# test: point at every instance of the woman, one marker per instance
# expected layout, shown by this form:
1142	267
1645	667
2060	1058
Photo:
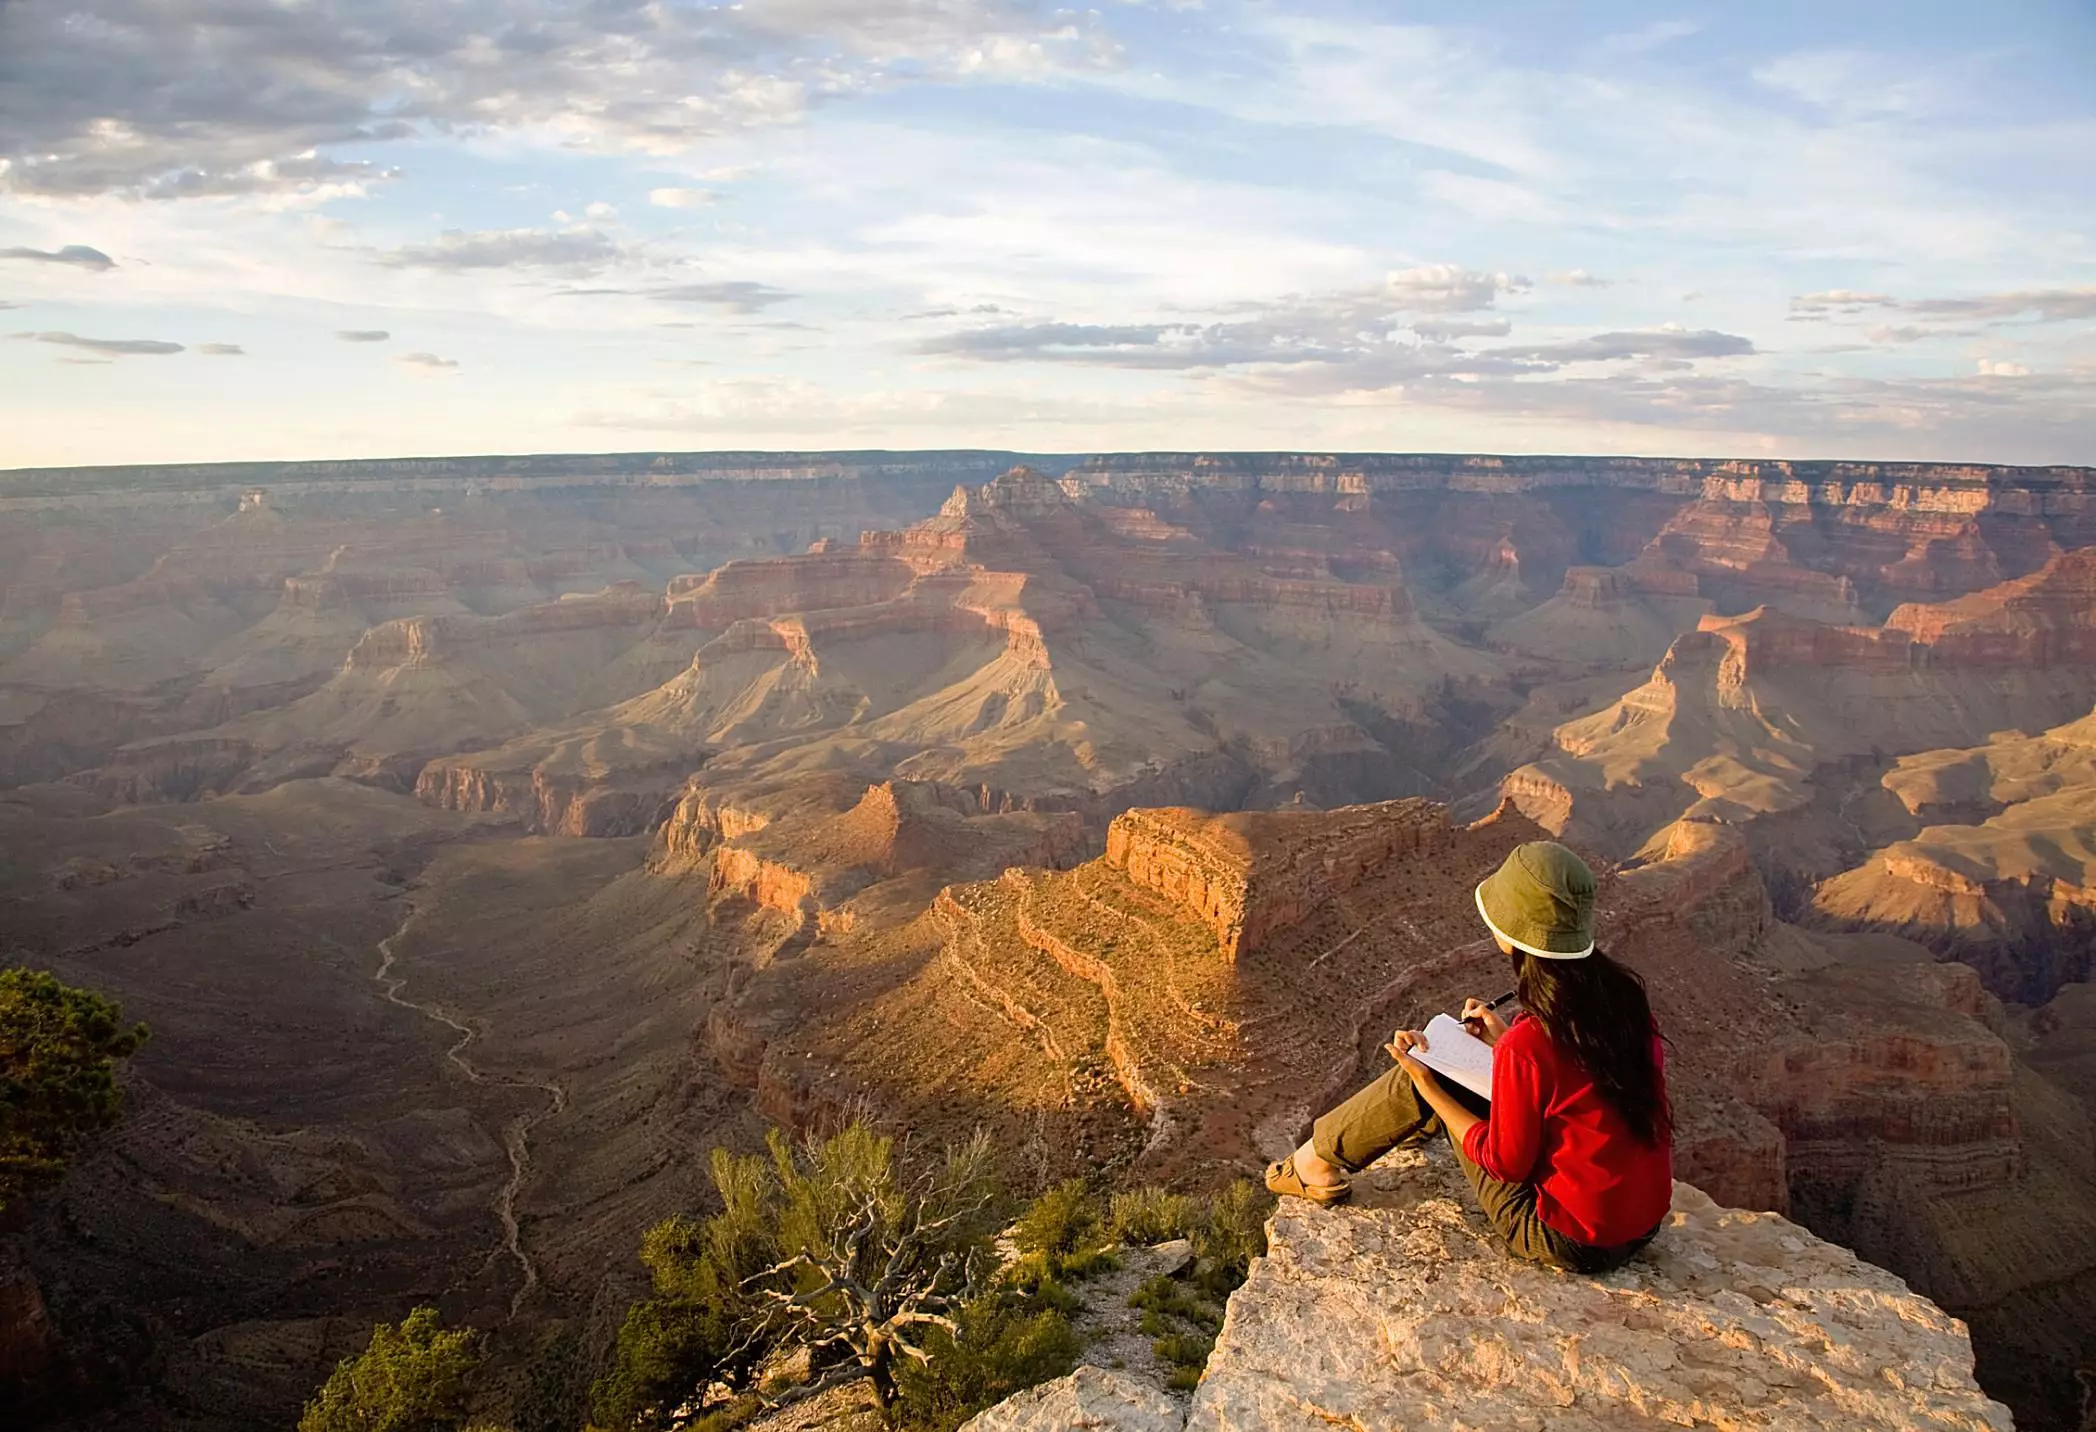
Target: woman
1572	1160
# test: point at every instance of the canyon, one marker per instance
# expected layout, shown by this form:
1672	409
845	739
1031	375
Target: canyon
488	839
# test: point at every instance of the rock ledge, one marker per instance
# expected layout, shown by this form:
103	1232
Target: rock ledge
1399	1312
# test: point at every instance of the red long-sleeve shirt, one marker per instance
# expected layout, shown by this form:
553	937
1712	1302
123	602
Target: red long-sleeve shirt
1549	1126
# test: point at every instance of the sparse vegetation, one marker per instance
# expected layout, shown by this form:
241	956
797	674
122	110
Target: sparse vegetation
1152	1215
59	1049
412	1378
1004	1346
1229	1235
1062	1235
828	1249
1183	1315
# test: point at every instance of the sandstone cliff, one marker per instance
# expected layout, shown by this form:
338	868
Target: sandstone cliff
1253	875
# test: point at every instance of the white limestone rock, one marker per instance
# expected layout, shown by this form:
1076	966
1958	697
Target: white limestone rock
1091	1397
1400	1313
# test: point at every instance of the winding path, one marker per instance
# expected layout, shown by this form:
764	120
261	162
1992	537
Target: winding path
516	1135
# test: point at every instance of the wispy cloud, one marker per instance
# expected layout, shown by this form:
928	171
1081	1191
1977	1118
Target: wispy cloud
190	99
1444	330
1664	343
675	198
72	255
428	362
1959	317
114	347
221	350
736	295
458	250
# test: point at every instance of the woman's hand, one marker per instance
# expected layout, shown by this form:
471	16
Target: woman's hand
1400	1048
1482	1022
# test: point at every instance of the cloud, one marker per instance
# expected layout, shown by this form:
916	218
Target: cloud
221	350
1838	300
673	198
188	99
1576	278
1446	288
1338	327
6	307
1128	344
736	295
1442	330
73	255
426	361
113	347
307	176
1678	344
1991	368
459	250
363	335
1853	84
2049	305
1912	333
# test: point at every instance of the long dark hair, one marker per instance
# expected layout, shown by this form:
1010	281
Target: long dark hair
1596	1010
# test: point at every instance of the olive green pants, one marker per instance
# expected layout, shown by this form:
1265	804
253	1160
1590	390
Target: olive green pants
1389	1113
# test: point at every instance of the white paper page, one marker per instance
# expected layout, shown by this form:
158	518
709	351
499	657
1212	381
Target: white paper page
1456	1052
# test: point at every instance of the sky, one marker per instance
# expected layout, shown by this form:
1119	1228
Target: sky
268	229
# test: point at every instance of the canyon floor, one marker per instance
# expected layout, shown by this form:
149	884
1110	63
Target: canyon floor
485	840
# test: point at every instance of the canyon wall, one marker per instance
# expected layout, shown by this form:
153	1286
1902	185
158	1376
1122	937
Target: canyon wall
1251	875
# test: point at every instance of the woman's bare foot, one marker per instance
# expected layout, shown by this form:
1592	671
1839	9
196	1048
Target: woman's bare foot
1286	1181
1319	1172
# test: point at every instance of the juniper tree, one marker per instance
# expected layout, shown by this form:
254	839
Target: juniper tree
59	1048
825	1246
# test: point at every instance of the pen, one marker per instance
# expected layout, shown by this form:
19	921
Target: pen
1477	1026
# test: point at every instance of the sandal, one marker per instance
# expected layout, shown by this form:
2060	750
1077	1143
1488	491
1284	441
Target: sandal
1282	1178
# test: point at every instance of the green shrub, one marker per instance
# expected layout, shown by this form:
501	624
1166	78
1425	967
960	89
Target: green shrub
1063	1225
694	1330
1004	1347
1151	1215
1162	1298
1185	1349
823	1245
413	1378
59	1048
1230	1235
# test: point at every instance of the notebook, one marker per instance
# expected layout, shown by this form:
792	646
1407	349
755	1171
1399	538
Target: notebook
1456	1052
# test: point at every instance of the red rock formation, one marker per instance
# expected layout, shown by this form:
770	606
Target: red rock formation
1253	875
2043	620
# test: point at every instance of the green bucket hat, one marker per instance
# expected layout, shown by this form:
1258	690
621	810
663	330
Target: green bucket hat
1542	901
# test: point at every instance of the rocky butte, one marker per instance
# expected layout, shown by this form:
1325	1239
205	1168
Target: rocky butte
1117	803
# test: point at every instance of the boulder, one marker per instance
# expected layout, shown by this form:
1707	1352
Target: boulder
1090	1397
1400	1312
